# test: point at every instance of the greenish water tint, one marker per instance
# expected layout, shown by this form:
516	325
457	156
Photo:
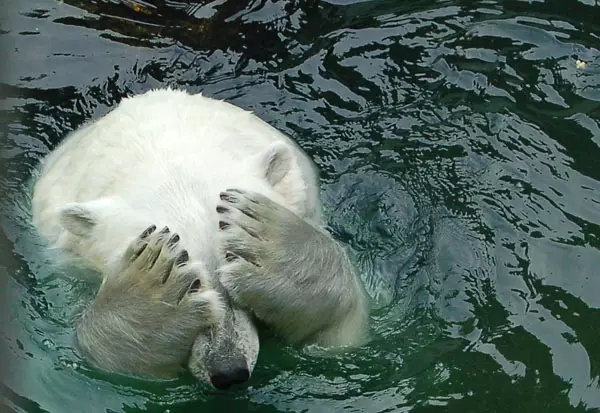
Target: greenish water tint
459	149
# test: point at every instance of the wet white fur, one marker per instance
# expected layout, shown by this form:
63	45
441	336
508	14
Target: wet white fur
163	158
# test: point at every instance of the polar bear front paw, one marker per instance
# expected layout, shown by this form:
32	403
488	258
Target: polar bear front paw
150	309
292	275
155	261
259	242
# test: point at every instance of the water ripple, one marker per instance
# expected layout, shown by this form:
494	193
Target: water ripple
458	144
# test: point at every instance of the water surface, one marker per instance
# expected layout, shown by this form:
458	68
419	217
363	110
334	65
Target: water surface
459	150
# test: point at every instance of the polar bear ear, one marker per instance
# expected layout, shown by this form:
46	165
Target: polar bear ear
275	162
78	219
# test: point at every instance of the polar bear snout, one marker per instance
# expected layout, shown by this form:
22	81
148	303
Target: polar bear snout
225	354
233	371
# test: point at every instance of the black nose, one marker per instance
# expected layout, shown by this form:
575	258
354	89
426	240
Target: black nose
226	378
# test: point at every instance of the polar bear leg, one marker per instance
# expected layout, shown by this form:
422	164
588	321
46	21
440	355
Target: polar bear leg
149	309
292	275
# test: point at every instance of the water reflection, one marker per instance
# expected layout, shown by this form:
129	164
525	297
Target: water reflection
458	144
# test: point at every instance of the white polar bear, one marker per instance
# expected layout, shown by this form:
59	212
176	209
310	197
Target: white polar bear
242	238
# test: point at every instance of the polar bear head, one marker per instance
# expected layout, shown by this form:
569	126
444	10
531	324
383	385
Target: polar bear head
223	353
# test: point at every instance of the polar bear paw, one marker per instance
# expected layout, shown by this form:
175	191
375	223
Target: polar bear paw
156	262
150	309
292	275
261	246
251	225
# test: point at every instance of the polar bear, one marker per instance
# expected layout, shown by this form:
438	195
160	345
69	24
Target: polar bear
203	221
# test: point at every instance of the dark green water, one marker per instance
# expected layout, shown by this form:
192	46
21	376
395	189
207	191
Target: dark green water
459	149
